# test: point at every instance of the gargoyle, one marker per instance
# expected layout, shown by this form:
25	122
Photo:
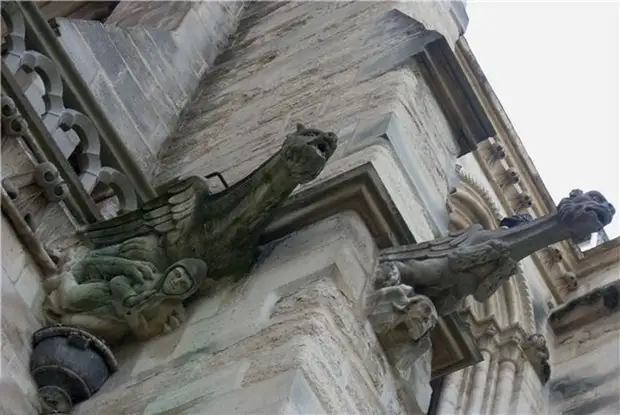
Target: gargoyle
187	221
113	307
477	261
537	352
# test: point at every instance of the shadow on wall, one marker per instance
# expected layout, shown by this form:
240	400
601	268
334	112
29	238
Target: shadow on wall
541	309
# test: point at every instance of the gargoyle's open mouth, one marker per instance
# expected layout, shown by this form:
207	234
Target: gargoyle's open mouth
325	145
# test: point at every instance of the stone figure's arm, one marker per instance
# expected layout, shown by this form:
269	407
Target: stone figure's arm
78	297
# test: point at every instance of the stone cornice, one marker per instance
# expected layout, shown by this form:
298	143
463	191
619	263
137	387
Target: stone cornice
514	178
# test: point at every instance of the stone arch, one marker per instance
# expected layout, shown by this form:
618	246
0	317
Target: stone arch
500	325
512	304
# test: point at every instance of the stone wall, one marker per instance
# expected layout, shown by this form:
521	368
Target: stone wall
344	66
586	358
21	295
142	67
288	339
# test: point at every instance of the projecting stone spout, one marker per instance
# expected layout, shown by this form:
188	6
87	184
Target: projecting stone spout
477	261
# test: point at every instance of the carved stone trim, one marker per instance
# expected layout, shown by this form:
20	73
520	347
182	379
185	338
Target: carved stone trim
530	194
77	94
475	198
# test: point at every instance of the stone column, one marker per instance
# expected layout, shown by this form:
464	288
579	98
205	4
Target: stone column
450	394
478	388
508	358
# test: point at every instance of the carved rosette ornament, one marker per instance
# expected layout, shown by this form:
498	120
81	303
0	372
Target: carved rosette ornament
148	261
477	261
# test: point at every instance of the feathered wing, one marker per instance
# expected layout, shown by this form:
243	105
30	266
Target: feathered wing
430	249
168	214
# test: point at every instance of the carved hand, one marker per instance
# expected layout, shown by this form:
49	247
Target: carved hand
136	301
176	318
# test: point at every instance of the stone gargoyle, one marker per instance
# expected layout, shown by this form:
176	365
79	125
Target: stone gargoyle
477	261
146	262
401	319
537	352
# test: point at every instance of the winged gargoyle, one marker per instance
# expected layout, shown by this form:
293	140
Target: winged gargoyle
186	221
477	261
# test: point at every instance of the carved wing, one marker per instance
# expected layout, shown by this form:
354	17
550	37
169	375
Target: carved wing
436	248
168	214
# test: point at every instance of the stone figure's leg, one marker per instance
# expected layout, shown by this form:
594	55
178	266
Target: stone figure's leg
107	329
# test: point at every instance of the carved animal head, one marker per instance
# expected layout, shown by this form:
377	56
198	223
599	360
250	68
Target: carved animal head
585	213
306	151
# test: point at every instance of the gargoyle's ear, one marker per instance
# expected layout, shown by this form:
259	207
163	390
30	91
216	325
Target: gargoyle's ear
300	127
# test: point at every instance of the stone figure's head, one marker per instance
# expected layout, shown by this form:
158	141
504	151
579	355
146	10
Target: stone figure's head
585	213
306	152
421	316
183	278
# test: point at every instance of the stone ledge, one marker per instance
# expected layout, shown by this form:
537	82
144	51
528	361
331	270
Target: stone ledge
584	310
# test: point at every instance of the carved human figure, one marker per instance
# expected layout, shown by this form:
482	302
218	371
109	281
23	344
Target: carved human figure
91	295
477	261
391	306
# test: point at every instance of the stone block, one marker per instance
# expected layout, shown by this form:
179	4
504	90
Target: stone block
125	126
78	50
13	400
177	61
102	47
141	69
138	106
17	321
190	37
13	252
179	397
161	15
162	71
29	286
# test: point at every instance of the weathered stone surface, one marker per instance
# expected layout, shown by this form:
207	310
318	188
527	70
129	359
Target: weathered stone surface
19	302
295	61
290	339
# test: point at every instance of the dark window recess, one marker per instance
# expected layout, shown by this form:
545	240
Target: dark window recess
437	386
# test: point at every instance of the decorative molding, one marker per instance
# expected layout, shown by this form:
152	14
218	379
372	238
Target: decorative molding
505	154
26	17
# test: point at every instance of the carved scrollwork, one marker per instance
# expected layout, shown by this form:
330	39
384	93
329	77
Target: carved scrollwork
62	123
45	176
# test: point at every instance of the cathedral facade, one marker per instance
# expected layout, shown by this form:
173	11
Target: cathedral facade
292	151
